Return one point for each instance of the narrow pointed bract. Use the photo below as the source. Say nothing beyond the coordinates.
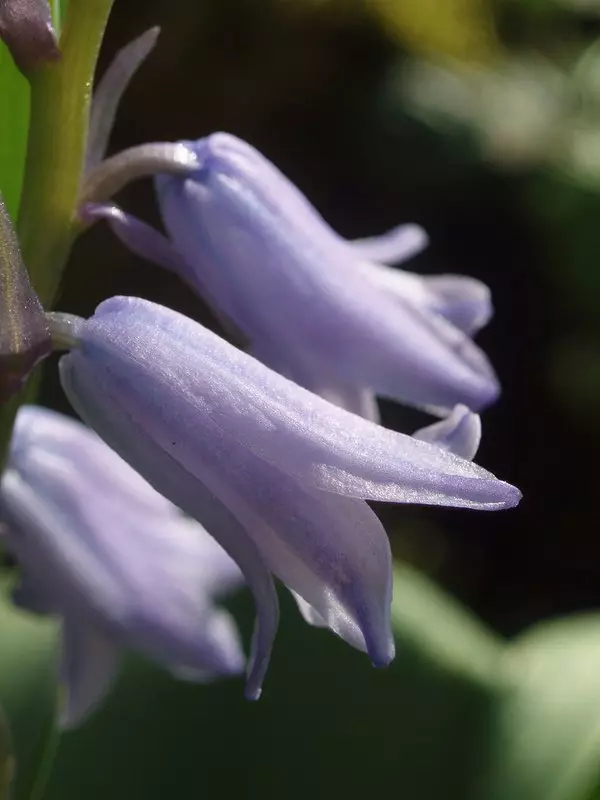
(26, 28)
(24, 334)
(313, 305)
(277, 474)
(110, 90)
(119, 564)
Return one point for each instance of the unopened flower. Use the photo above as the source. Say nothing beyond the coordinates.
(277, 474)
(24, 334)
(118, 563)
(26, 28)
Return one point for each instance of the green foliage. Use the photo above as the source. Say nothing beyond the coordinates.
(328, 723)
(458, 715)
(27, 692)
(546, 735)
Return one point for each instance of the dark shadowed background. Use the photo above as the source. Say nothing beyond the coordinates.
(311, 84)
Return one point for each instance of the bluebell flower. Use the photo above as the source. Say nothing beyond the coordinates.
(328, 313)
(278, 475)
(118, 563)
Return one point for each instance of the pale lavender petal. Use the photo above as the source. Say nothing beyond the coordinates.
(199, 498)
(110, 90)
(331, 549)
(356, 399)
(88, 667)
(393, 247)
(460, 432)
(146, 242)
(220, 633)
(45, 439)
(353, 398)
(136, 569)
(139, 237)
(308, 612)
(465, 302)
(267, 260)
(186, 385)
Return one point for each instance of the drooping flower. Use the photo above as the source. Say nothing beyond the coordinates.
(326, 312)
(118, 563)
(277, 474)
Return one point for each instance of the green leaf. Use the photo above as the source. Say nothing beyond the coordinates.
(328, 724)
(545, 744)
(27, 689)
(14, 123)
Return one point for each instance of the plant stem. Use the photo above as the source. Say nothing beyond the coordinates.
(60, 97)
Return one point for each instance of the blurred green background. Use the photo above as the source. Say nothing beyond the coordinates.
(479, 120)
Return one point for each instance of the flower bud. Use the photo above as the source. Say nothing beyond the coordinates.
(24, 334)
(26, 28)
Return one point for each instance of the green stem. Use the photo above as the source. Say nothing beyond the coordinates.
(60, 97)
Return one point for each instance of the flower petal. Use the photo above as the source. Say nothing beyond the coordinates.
(222, 650)
(146, 242)
(44, 437)
(465, 302)
(460, 433)
(88, 667)
(393, 247)
(139, 237)
(139, 570)
(265, 258)
(191, 490)
(330, 549)
(356, 399)
(182, 385)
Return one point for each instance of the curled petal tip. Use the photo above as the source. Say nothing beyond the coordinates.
(393, 247)
(459, 433)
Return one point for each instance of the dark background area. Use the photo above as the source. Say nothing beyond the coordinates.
(311, 84)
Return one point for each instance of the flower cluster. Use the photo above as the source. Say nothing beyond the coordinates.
(274, 452)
